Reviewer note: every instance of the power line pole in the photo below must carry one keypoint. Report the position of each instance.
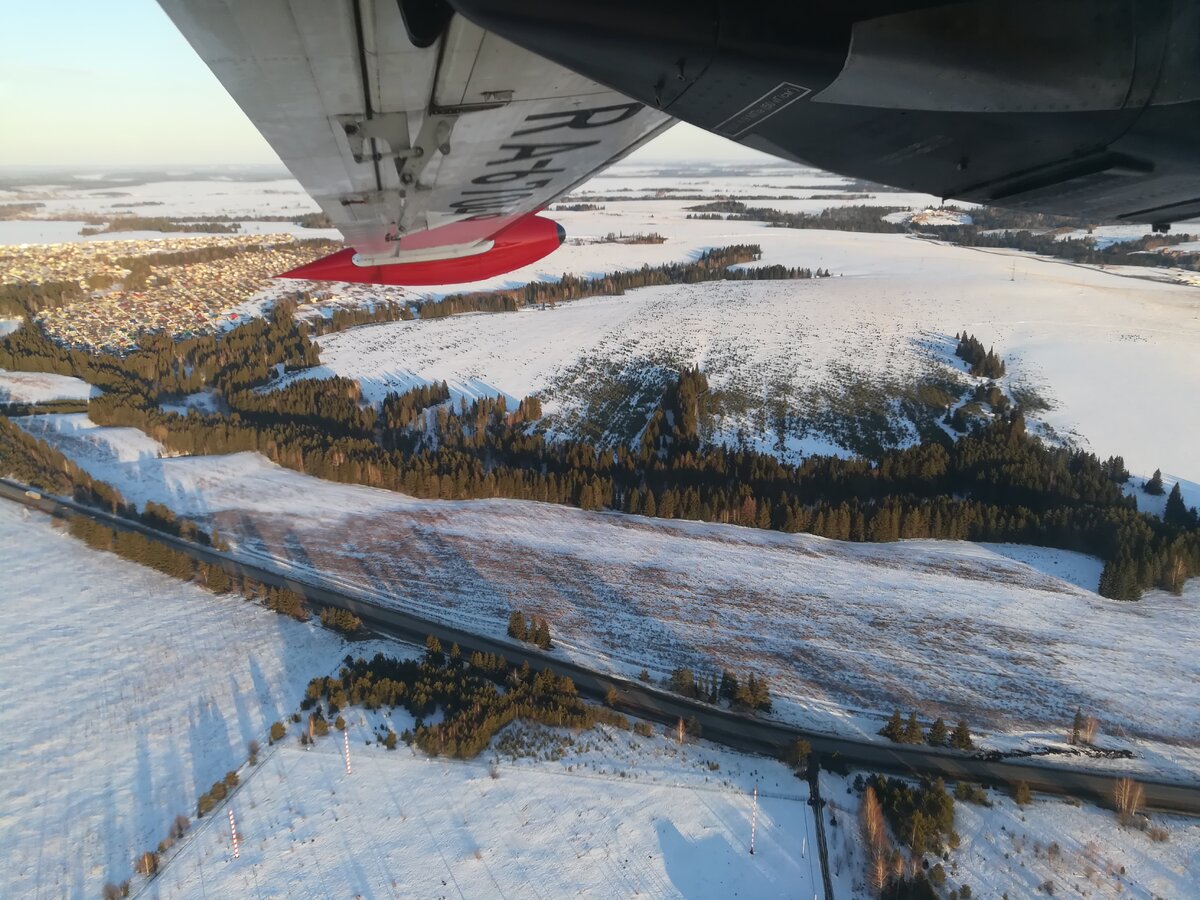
(346, 742)
(753, 819)
(233, 834)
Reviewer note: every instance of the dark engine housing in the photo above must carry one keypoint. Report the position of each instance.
(1079, 107)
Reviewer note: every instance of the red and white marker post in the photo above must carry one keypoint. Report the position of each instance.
(346, 742)
(233, 834)
(753, 819)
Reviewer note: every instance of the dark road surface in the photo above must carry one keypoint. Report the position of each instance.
(742, 732)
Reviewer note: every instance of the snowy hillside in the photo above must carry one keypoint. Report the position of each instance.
(39, 387)
(843, 631)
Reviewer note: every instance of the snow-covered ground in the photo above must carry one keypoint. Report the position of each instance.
(1006, 637)
(1006, 849)
(39, 387)
(125, 695)
(616, 816)
(1098, 345)
(1113, 354)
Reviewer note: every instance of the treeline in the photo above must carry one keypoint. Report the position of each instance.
(160, 223)
(244, 357)
(478, 697)
(134, 546)
(711, 265)
(154, 554)
(834, 218)
(1139, 252)
(983, 362)
(614, 237)
(312, 220)
(749, 693)
(996, 484)
(36, 463)
(10, 211)
(900, 732)
(400, 412)
(19, 300)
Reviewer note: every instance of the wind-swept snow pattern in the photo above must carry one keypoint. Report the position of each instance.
(611, 814)
(126, 695)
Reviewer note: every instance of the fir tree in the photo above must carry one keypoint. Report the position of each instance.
(960, 738)
(937, 735)
(894, 729)
(516, 626)
(1176, 512)
(912, 731)
(1155, 484)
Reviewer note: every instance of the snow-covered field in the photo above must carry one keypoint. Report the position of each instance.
(1004, 636)
(1112, 353)
(39, 387)
(125, 695)
(617, 816)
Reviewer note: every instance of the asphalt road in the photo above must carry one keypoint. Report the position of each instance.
(742, 732)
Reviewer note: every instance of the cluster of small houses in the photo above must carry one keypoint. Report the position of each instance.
(181, 300)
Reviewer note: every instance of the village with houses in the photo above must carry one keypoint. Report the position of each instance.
(183, 286)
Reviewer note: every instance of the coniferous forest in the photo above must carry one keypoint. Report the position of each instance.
(994, 483)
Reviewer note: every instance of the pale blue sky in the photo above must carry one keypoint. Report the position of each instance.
(112, 82)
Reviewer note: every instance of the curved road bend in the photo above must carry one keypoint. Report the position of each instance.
(742, 732)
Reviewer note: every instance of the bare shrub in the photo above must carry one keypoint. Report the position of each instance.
(1089, 730)
(111, 891)
(180, 826)
(147, 863)
(880, 858)
(1128, 796)
(1021, 793)
(1158, 834)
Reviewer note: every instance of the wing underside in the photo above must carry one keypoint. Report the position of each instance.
(414, 153)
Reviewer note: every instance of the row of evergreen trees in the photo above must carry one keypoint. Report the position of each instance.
(749, 693)
(534, 629)
(901, 732)
(835, 218)
(154, 554)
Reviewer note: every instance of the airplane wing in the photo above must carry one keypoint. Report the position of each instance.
(430, 143)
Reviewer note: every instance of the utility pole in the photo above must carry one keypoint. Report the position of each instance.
(346, 743)
(753, 819)
(233, 834)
